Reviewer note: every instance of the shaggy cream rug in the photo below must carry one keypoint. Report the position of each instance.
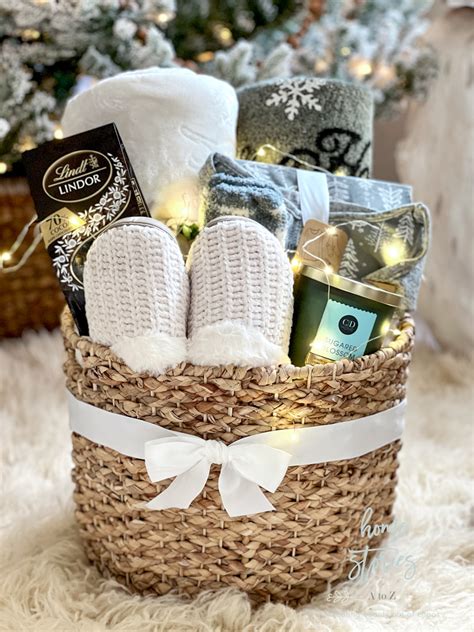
(47, 585)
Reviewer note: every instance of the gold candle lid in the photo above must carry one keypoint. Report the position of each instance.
(357, 288)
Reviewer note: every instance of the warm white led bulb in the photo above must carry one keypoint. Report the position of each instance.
(75, 221)
(385, 327)
(393, 252)
(296, 264)
(294, 438)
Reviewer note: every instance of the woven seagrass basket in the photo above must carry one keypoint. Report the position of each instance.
(30, 297)
(287, 555)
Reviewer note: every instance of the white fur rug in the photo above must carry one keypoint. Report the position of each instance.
(46, 584)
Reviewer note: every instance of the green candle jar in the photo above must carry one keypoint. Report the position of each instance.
(337, 318)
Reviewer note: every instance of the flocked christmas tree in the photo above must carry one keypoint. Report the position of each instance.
(50, 48)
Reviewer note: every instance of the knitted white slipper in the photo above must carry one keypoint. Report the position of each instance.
(241, 296)
(137, 294)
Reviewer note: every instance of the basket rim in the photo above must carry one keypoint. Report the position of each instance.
(402, 344)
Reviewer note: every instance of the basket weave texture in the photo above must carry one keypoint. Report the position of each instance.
(30, 297)
(287, 555)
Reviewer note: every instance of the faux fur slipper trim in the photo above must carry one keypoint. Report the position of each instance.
(152, 354)
(229, 342)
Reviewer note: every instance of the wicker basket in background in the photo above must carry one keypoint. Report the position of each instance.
(287, 555)
(30, 298)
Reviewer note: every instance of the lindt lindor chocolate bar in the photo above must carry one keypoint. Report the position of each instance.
(80, 185)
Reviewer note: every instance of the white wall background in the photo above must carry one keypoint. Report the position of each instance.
(436, 156)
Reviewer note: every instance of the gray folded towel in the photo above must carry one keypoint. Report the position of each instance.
(390, 224)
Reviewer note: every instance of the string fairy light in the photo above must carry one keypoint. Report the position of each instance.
(223, 34)
(321, 66)
(294, 436)
(30, 34)
(205, 56)
(394, 252)
(76, 221)
(384, 75)
(385, 328)
(262, 151)
(7, 255)
(360, 67)
(3, 167)
(163, 17)
(296, 264)
(26, 144)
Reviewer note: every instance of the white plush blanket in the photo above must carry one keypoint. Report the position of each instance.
(46, 584)
(169, 120)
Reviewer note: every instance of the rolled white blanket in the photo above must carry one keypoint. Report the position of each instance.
(170, 120)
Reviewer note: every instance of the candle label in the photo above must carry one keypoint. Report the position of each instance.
(344, 331)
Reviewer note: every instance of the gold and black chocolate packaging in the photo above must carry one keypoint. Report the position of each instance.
(80, 185)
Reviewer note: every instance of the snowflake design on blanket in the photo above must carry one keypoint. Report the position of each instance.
(96, 217)
(296, 94)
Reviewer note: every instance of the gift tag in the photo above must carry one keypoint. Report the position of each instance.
(321, 245)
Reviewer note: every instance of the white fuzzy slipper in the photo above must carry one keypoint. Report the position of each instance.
(241, 296)
(137, 294)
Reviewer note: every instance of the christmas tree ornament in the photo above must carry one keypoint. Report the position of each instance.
(80, 185)
(137, 294)
(170, 119)
(242, 296)
(336, 318)
(323, 122)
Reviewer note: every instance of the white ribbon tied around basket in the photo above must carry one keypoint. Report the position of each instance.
(248, 464)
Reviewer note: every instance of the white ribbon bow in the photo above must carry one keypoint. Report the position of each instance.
(252, 462)
(245, 468)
